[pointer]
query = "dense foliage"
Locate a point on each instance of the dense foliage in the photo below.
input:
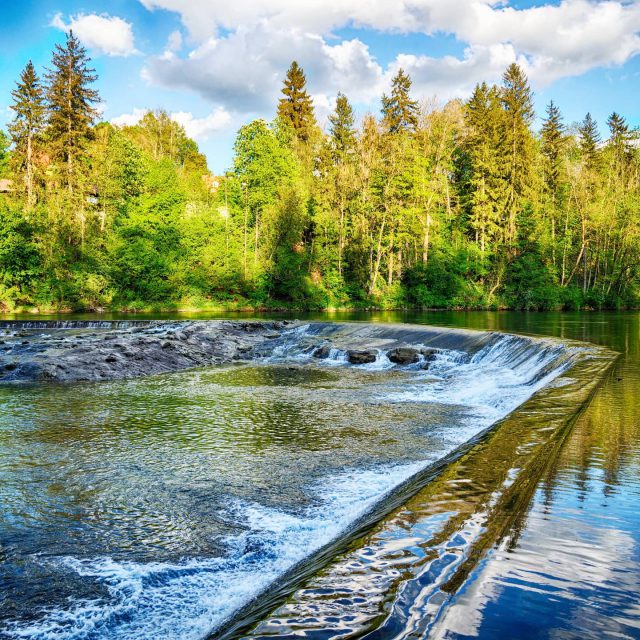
(461, 205)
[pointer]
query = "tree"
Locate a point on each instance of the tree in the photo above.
(517, 147)
(27, 125)
(399, 111)
(295, 108)
(5, 143)
(589, 141)
(262, 165)
(553, 145)
(342, 142)
(619, 141)
(487, 187)
(341, 129)
(70, 100)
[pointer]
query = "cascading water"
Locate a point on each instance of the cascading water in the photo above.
(225, 478)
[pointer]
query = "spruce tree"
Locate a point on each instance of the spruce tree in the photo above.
(619, 129)
(486, 185)
(619, 139)
(70, 102)
(517, 147)
(295, 108)
(399, 111)
(342, 130)
(553, 144)
(589, 141)
(27, 125)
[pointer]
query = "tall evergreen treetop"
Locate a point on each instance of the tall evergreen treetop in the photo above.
(619, 131)
(296, 107)
(342, 129)
(399, 111)
(517, 144)
(553, 143)
(589, 140)
(517, 98)
(28, 106)
(71, 100)
(28, 124)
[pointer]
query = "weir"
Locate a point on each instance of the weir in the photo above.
(298, 453)
(396, 570)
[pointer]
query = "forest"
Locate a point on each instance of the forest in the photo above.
(425, 205)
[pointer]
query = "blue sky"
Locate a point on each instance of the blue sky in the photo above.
(216, 65)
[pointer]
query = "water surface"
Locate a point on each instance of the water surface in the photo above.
(137, 508)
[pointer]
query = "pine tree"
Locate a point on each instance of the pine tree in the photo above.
(71, 100)
(27, 125)
(399, 111)
(518, 149)
(343, 133)
(295, 108)
(589, 141)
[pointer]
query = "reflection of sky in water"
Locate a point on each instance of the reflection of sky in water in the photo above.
(584, 578)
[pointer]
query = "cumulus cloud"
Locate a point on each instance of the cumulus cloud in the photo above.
(102, 33)
(202, 128)
(196, 128)
(240, 51)
(244, 69)
(129, 119)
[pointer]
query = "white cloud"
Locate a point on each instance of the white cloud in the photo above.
(196, 128)
(103, 33)
(244, 70)
(174, 43)
(202, 128)
(243, 49)
(129, 119)
(242, 67)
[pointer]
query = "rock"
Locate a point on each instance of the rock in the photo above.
(362, 356)
(322, 351)
(10, 366)
(429, 356)
(111, 358)
(403, 355)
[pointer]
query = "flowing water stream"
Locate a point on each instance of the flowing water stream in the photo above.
(163, 506)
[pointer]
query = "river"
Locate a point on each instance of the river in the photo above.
(162, 505)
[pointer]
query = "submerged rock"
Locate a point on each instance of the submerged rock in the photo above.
(362, 356)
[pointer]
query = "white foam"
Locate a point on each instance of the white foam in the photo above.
(189, 599)
(496, 380)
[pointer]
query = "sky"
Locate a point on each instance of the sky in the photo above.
(217, 64)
